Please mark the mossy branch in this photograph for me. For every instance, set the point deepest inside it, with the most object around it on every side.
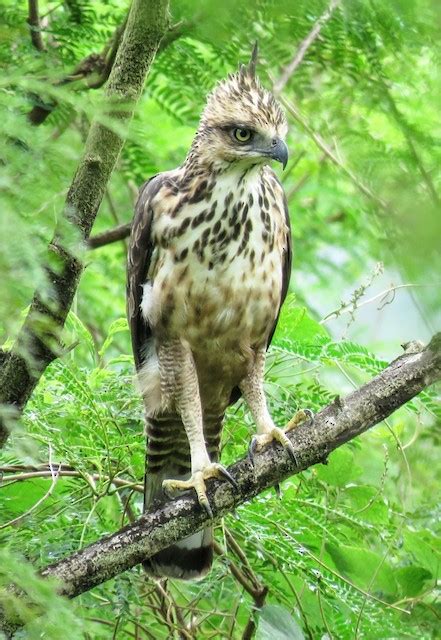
(38, 341)
(339, 422)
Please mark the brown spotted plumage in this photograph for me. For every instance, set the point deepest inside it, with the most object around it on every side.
(208, 269)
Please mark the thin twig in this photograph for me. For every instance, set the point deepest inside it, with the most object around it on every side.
(172, 606)
(250, 627)
(67, 473)
(303, 180)
(297, 597)
(238, 574)
(114, 214)
(109, 623)
(235, 547)
(292, 165)
(291, 67)
(349, 308)
(54, 475)
(295, 113)
(252, 585)
(322, 615)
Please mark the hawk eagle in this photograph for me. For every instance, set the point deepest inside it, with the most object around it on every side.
(208, 269)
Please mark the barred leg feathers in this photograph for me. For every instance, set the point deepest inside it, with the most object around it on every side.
(156, 378)
(168, 456)
(149, 383)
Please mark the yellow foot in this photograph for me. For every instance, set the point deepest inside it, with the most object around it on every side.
(197, 482)
(299, 418)
(279, 435)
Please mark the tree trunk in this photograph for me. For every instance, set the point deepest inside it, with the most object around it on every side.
(38, 342)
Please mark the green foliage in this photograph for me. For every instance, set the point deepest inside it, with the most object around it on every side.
(275, 622)
(351, 550)
(35, 601)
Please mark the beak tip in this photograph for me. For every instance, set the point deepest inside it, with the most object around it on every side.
(280, 153)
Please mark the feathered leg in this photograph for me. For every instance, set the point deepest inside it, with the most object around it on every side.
(168, 456)
(254, 395)
(179, 382)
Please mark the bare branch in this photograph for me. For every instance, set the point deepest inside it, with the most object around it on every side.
(94, 70)
(361, 186)
(63, 471)
(291, 67)
(112, 235)
(339, 422)
(34, 25)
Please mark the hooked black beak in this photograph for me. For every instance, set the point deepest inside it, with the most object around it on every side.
(279, 151)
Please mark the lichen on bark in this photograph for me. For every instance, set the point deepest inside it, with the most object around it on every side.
(38, 342)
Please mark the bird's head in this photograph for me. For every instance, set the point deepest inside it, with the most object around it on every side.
(242, 122)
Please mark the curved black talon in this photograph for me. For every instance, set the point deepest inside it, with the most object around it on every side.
(206, 507)
(292, 454)
(278, 491)
(252, 450)
(227, 475)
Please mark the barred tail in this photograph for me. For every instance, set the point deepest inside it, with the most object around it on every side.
(168, 456)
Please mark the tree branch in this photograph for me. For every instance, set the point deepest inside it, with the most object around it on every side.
(247, 579)
(339, 422)
(94, 70)
(37, 344)
(111, 235)
(291, 67)
(34, 25)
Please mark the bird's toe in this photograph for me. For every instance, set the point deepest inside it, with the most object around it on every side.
(197, 482)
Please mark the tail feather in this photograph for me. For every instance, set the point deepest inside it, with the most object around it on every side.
(168, 456)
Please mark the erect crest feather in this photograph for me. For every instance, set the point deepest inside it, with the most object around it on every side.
(250, 68)
(241, 99)
(253, 60)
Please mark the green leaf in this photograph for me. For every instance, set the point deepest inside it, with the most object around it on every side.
(364, 567)
(80, 331)
(340, 468)
(425, 548)
(295, 324)
(276, 623)
(412, 580)
(116, 327)
(368, 504)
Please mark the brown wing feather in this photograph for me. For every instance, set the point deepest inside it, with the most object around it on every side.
(287, 263)
(138, 262)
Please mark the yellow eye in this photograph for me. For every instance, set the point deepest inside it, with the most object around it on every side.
(242, 135)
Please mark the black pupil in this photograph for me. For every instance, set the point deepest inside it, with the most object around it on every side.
(243, 133)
